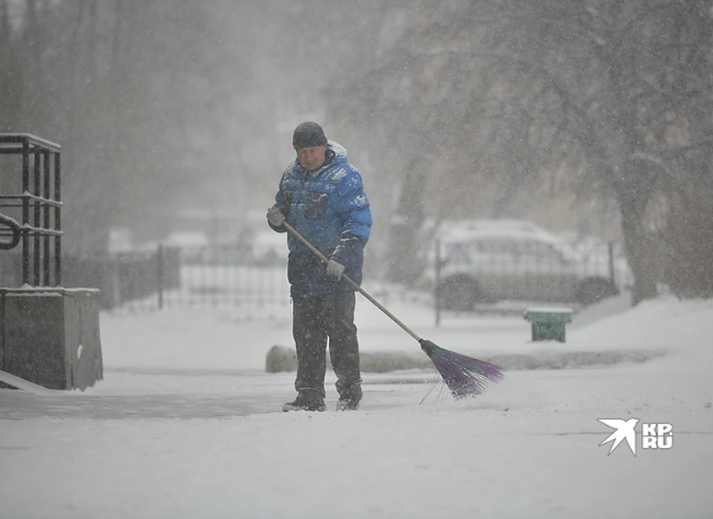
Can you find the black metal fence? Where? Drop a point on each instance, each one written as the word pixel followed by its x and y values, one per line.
pixel 234 275
pixel 32 214
pixel 125 278
pixel 250 278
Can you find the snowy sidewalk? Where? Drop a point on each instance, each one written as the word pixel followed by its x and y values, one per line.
pixel 186 424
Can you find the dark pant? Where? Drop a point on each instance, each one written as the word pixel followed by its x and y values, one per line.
pixel 316 319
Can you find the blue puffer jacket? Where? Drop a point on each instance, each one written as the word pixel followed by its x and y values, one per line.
pixel 329 208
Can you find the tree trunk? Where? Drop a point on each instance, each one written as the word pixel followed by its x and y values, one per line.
pixel 404 259
pixel 640 244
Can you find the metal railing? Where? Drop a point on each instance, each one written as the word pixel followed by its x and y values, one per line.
pixel 38 225
pixel 253 278
pixel 226 275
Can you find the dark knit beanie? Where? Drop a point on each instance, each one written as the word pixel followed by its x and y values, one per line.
pixel 308 134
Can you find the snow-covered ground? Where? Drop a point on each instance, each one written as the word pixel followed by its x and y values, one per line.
pixel 186 423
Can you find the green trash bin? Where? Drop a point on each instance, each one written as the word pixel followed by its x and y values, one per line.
pixel 548 324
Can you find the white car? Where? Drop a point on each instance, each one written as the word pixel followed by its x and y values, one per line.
pixel 496 260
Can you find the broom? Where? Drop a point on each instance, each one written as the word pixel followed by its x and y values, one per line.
pixel 464 376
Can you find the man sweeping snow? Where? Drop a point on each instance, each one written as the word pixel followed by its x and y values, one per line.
pixel 322 196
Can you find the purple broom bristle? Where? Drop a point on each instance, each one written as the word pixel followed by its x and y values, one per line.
pixel 464 376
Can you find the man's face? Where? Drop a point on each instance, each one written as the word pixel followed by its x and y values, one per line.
pixel 311 158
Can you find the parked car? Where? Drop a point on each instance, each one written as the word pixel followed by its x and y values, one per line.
pixel 486 261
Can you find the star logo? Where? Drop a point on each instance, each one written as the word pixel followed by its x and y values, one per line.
pixel 624 430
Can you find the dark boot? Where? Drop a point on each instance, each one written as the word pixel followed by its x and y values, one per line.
pixel 306 401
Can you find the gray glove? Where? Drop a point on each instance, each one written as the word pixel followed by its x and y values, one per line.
pixel 335 269
pixel 275 217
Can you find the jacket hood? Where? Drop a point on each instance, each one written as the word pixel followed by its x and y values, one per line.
pixel 340 152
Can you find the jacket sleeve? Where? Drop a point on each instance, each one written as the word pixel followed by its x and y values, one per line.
pixel 281 204
pixel 355 211
pixel 349 248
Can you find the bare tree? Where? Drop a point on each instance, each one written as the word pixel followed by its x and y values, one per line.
pixel 511 96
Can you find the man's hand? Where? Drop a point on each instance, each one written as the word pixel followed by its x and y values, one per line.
pixel 275 217
pixel 335 269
